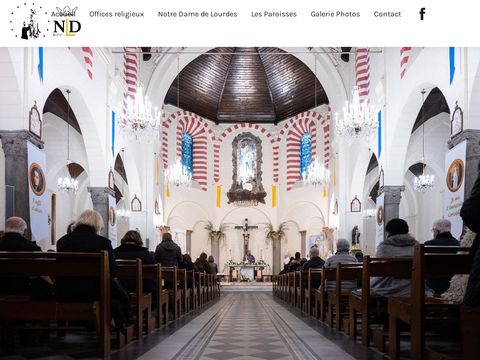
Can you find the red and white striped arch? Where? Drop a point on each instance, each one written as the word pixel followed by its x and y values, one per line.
pixel 240 127
pixel 294 128
pixel 199 130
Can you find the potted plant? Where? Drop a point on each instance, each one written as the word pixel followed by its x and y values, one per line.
pixel 273 234
pixel 215 234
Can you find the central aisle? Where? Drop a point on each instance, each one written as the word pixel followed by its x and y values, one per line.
pixel 249 326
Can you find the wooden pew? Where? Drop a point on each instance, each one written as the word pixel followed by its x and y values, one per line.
pixel 193 286
pixel 469 320
pixel 200 277
pixel 299 289
pixel 160 300
pixel 321 300
pixel 291 288
pixel 186 292
pixel 133 270
pixel 338 299
pixel 365 304
pixel 27 264
pixel 170 280
pixel 428 262
pixel 312 275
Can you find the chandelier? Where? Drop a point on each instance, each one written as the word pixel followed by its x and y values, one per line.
pixel 424 182
pixel 316 173
pixel 140 117
pixel 358 119
pixel 179 175
pixel 67 184
pixel 369 212
pixel 123 213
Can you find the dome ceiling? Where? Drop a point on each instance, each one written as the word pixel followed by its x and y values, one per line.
pixel 260 85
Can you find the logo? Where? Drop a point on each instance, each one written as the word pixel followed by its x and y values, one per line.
pixel 36 179
pixel 422 13
pixel 29 21
pixel 65 26
pixel 455 175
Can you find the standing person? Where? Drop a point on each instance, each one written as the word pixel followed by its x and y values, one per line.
pixel 85 238
pixel 167 252
pixel 470 214
pixel 441 237
pixel 249 258
pixel 213 265
pixel 398 243
pixel 342 256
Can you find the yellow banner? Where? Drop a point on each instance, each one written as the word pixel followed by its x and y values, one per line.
pixel 168 190
pixel 219 195
pixel 156 170
pixel 274 196
pixel 334 171
pixel 324 191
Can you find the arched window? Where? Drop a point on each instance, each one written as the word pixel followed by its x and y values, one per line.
pixel 305 152
pixel 187 151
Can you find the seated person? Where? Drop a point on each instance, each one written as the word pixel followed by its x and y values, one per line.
pixel 295 263
pixel 441 237
pixel 342 256
pixel 315 262
pixel 398 243
pixel 131 249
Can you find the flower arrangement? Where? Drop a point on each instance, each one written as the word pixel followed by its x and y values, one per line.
pixel 271 233
pixel 212 232
pixel 231 262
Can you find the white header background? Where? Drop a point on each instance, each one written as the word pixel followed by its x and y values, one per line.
pixel 446 24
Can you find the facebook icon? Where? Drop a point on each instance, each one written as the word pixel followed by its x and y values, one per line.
pixel 422 13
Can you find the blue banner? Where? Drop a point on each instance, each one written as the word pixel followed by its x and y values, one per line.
pixel 452 63
pixel 40 63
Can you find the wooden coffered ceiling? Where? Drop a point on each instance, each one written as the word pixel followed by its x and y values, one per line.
pixel 261 85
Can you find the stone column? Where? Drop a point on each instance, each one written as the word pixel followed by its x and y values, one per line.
pixel 99 197
pixel 391 206
pixel 215 246
pixel 189 241
pixel 472 158
pixel 303 244
pixel 277 254
pixel 14 143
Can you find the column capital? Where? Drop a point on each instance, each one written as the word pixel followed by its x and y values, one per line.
pixel 14 142
pixel 473 138
pixel 393 193
pixel 100 194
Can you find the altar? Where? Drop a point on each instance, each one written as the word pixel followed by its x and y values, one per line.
pixel 245 272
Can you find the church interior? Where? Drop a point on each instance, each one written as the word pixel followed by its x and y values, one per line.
pixel 275 175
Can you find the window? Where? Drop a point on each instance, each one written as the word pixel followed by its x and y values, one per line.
pixel 187 151
pixel 305 152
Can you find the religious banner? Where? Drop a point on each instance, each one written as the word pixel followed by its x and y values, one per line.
pixel 39 201
pixel 112 220
pixel 455 186
pixel 379 219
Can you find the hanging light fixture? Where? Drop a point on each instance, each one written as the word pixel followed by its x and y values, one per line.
pixel 66 183
pixel 179 174
pixel 139 116
pixel 358 118
pixel 316 173
pixel 425 182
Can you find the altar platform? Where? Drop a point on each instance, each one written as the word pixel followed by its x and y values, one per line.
pixel 245 286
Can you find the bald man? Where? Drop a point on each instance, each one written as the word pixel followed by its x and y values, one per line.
pixel 14 238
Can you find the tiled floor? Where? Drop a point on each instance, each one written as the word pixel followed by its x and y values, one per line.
pixel 245 326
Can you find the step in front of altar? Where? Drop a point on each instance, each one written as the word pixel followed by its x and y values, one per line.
pixel 246 286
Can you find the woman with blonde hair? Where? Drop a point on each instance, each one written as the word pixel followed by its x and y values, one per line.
pixel 85 238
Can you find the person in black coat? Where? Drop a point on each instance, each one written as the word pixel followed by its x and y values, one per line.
pixel 167 252
pixel 14 240
pixel 315 262
pixel 441 237
pixel 131 249
pixel 84 238
pixel 470 214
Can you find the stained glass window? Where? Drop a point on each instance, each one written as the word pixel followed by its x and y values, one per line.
pixel 305 152
pixel 187 151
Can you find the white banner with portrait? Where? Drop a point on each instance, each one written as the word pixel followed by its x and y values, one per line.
pixel 112 220
pixel 455 186
pixel 38 200
pixel 379 220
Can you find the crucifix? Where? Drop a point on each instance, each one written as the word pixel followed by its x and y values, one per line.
pixel 246 234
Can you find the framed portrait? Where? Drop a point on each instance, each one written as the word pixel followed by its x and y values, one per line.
pixel 111 180
pixel 456 123
pixel 37 179
pixel 35 121
pixel 355 205
pixel 136 204
pixel 455 175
